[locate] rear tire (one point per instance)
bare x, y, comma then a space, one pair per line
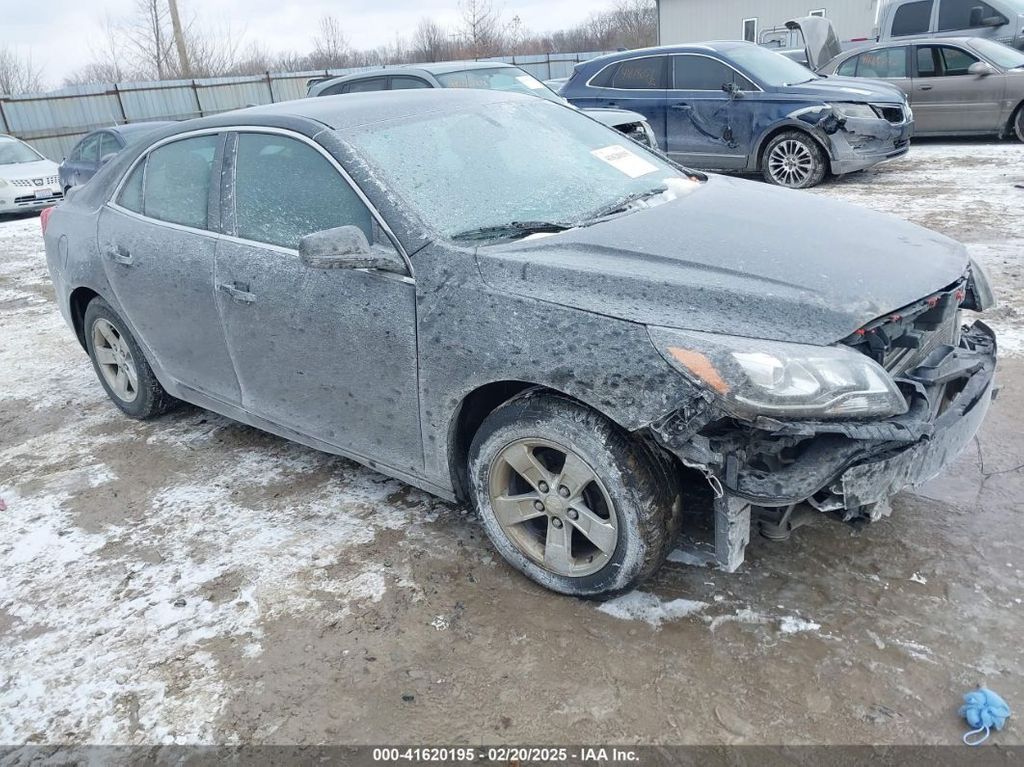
569, 499
794, 160
1018, 123
121, 366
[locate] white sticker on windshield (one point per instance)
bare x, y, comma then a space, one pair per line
530, 82
624, 161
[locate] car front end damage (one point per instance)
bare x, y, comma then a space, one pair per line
844, 461
859, 135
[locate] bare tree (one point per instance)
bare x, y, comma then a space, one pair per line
330, 45
430, 41
636, 22
481, 25
18, 75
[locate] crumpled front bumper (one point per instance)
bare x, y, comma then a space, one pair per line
864, 143
850, 465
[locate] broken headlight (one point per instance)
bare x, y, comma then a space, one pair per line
783, 380
845, 110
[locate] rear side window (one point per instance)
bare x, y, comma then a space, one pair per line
131, 192
407, 83
108, 145
912, 19
89, 151
285, 189
373, 84
700, 73
885, 63
334, 90
964, 14
646, 74
178, 181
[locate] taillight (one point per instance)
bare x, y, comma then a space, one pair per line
44, 218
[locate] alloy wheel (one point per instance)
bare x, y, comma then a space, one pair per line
553, 507
114, 360
790, 163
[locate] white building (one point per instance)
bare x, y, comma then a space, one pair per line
760, 21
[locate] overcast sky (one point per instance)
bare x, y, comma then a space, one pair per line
57, 32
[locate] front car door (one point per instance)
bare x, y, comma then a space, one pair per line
706, 126
158, 245
327, 353
639, 84
948, 99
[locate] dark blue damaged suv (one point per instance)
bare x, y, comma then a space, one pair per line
737, 106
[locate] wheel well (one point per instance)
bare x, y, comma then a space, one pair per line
477, 405
785, 129
80, 298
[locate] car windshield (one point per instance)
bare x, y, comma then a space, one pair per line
516, 168
498, 79
769, 67
1001, 55
14, 152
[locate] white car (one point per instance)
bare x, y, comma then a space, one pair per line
28, 181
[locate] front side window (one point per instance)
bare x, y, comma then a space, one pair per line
701, 73
177, 186
513, 162
286, 189
912, 19
965, 14
943, 61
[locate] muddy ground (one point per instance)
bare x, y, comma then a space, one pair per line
193, 580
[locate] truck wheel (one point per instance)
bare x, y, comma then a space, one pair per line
794, 160
569, 499
120, 364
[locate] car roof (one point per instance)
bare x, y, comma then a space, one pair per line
716, 46
354, 110
139, 127
436, 68
871, 46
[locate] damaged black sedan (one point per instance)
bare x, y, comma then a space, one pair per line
498, 299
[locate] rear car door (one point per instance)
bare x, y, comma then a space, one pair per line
639, 84
890, 64
707, 127
328, 353
158, 252
947, 98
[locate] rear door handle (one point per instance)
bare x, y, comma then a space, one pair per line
927, 87
120, 255
238, 292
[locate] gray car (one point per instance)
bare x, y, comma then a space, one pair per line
488, 75
496, 299
956, 85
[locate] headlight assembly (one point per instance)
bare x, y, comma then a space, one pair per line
782, 380
980, 295
853, 110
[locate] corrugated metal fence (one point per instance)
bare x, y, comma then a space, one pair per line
54, 122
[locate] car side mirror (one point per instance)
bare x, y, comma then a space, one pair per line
107, 158
346, 247
732, 89
981, 69
994, 21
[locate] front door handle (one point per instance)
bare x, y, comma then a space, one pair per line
120, 255
927, 87
681, 107
238, 292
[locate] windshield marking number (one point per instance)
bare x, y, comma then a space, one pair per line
624, 161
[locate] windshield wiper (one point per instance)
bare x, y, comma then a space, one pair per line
622, 205
511, 229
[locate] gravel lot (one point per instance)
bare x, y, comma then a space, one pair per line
193, 580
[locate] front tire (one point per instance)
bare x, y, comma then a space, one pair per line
120, 364
569, 499
1018, 123
794, 160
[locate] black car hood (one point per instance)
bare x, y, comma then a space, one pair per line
735, 257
